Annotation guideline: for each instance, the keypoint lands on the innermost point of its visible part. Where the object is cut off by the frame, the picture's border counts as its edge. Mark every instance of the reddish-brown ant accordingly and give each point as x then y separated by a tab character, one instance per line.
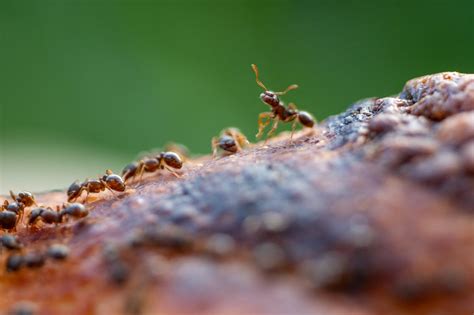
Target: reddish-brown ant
24	197
230	140
110	181
279	112
165	160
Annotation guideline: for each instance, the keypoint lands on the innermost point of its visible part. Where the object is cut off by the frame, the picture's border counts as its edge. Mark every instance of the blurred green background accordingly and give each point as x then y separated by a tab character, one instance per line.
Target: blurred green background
87	85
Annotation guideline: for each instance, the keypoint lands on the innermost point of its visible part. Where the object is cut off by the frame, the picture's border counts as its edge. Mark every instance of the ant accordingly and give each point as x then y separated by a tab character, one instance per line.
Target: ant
47	215
11	210
75	210
230	140
165	160
109	181
24	197
279	111
12	213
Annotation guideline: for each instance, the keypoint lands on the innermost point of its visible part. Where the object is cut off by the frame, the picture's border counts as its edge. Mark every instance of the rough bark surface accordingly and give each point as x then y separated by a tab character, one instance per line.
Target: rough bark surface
372	213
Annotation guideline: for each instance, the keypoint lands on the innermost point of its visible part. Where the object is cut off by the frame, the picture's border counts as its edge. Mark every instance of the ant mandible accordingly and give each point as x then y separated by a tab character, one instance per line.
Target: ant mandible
279	112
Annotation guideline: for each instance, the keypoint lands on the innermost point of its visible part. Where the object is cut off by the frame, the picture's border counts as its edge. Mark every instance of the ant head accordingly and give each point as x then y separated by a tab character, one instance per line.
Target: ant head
270	98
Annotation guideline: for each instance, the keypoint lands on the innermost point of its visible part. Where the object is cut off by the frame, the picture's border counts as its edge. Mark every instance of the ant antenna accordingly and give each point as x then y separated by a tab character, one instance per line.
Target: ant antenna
291	87
255	69
12	194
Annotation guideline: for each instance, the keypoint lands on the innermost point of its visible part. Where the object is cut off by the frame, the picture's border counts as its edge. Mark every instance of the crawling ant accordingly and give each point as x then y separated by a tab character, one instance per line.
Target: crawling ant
165	160
230	140
16	208
110	181
75	210
47	215
279	111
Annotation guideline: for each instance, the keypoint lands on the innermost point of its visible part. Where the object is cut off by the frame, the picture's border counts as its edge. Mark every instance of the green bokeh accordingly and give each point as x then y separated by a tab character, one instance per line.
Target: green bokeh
132	75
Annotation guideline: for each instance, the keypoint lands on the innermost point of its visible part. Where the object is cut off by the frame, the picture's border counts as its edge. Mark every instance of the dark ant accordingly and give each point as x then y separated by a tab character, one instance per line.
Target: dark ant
279	111
75	210
47	215
10	242
58	251
15	207
230	140
8	220
110	181
165	160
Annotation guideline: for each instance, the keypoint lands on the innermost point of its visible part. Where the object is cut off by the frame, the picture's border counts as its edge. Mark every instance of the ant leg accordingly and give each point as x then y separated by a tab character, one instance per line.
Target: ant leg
113	193
214	144
262	124
293	127
20	217
141	170
85	199
173	172
274	127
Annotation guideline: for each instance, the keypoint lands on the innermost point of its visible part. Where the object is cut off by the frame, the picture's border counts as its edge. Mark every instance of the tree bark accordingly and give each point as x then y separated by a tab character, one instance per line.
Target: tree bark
372	212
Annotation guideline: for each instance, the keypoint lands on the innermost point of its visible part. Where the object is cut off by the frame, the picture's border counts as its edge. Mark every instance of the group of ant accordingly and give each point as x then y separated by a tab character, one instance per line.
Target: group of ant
231	140
12	212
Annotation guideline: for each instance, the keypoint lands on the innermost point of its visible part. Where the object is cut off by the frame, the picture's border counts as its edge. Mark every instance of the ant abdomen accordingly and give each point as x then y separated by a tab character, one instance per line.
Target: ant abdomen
306	119
130	170
227	143
115	182
75	210
74	191
172	159
8	220
151	165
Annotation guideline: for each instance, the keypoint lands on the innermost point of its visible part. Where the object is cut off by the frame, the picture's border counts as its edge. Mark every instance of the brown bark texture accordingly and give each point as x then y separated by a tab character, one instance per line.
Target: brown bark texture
370	213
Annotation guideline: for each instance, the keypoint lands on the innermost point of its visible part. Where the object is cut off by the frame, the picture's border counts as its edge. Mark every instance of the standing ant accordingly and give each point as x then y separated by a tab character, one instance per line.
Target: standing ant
230	140
24	197
165	160
110	181
279	111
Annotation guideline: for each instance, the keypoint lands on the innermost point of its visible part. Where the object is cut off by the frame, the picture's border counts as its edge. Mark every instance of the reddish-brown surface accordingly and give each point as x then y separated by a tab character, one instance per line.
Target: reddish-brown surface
373	213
